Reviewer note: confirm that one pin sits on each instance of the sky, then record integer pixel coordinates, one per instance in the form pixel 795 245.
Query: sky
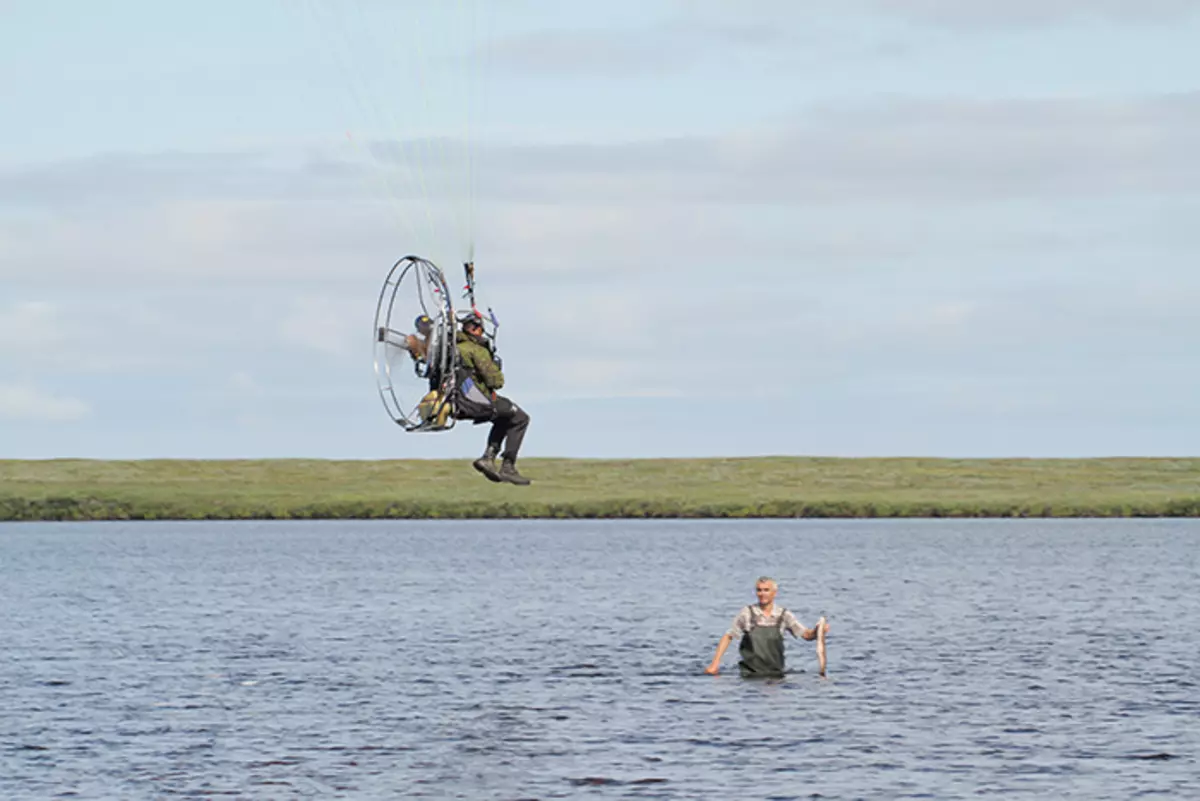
pixel 837 228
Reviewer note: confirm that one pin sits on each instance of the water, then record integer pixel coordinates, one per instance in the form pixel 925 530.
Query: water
pixel 1026 659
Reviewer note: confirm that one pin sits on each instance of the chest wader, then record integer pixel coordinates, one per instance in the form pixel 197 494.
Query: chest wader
pixel 762 649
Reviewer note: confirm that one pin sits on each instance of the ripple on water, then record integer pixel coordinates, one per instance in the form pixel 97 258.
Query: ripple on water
pixel 562 660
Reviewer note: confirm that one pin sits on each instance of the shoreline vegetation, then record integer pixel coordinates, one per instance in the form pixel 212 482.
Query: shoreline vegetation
pixel 762 487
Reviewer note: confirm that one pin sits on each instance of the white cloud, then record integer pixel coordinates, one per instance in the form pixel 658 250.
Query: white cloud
pixel 116 328
pixel 26 402
pixel 604 377
pixel 624 54
pixel 31 329
pixel 621 265
pixel 991 13
pixel 216 240
pixel 981 14
pixel 242 382
pixel 331 326
pixel 899 150
pixel 870 249
pixel 670 43
pixel 896 150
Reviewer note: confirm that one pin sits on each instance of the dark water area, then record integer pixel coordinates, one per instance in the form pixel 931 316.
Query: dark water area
pixel 523 660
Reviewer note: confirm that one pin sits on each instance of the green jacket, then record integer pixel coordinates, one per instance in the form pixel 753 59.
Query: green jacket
pixel 478 361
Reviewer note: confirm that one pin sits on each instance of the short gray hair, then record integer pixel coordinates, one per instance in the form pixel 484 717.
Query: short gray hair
pixel 767 580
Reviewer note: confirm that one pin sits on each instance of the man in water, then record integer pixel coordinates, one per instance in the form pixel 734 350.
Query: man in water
pixel 761 627
pixel 479 402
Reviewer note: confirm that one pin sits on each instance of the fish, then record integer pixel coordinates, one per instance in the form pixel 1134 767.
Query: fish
pixel 821 645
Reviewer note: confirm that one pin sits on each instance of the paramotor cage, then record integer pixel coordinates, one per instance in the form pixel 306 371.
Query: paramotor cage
pixel 414 346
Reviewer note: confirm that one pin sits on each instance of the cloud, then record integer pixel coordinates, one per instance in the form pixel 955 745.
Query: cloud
pixel 141 178
pixel 993 13
pixel 114 329
pixel 31 329
pixel 325 325
pixel 682 39
pixel 219 239
pixel 899 150
pixel 981 14
pixel 243 382
pixel 25 402
pixel 552 53
pixel 868 248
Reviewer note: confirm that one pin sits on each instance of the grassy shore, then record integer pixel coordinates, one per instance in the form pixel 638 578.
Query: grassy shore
pixel 74 489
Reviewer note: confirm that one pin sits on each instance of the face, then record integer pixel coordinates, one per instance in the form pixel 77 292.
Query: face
pixel 765 592
pixel 474 330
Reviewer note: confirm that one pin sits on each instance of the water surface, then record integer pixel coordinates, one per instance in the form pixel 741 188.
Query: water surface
pixel 505 660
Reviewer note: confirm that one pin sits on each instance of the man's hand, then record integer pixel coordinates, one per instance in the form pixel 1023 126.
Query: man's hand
pixel 713 668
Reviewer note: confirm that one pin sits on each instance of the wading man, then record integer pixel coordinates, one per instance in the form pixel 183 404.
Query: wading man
pixel 761 628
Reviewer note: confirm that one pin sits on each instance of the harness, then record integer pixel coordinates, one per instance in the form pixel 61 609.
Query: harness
pixel 761 649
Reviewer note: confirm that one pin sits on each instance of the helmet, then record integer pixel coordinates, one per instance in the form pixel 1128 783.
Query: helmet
pixel 472 319
pixel 423 323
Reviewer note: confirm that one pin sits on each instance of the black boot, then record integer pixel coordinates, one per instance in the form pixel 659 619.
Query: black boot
pixel 508 472
pixel 486 464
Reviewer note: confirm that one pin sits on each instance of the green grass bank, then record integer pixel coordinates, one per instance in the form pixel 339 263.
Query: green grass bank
pixel 77 489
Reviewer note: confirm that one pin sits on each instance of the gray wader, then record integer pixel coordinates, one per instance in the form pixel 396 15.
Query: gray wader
pixel 762 649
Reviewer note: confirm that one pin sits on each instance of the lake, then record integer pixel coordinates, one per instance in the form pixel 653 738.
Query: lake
pixel 546 659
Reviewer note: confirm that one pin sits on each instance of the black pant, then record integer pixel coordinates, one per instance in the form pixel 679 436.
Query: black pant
pixel 508 427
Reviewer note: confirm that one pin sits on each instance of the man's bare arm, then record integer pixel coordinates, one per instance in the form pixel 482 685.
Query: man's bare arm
pixel 715 665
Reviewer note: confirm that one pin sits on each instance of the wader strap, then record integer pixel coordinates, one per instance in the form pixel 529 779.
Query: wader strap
pixel 779 625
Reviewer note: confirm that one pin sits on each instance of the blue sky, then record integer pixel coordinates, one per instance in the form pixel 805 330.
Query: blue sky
pixel 853 228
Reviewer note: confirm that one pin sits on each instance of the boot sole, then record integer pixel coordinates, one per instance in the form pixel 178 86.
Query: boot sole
pixel 491 474
pixel 524 482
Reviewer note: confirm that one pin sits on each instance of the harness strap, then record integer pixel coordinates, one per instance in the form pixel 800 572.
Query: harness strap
pixel 755 624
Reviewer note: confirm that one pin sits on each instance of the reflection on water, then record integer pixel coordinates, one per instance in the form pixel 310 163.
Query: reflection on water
pixel 1052 659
